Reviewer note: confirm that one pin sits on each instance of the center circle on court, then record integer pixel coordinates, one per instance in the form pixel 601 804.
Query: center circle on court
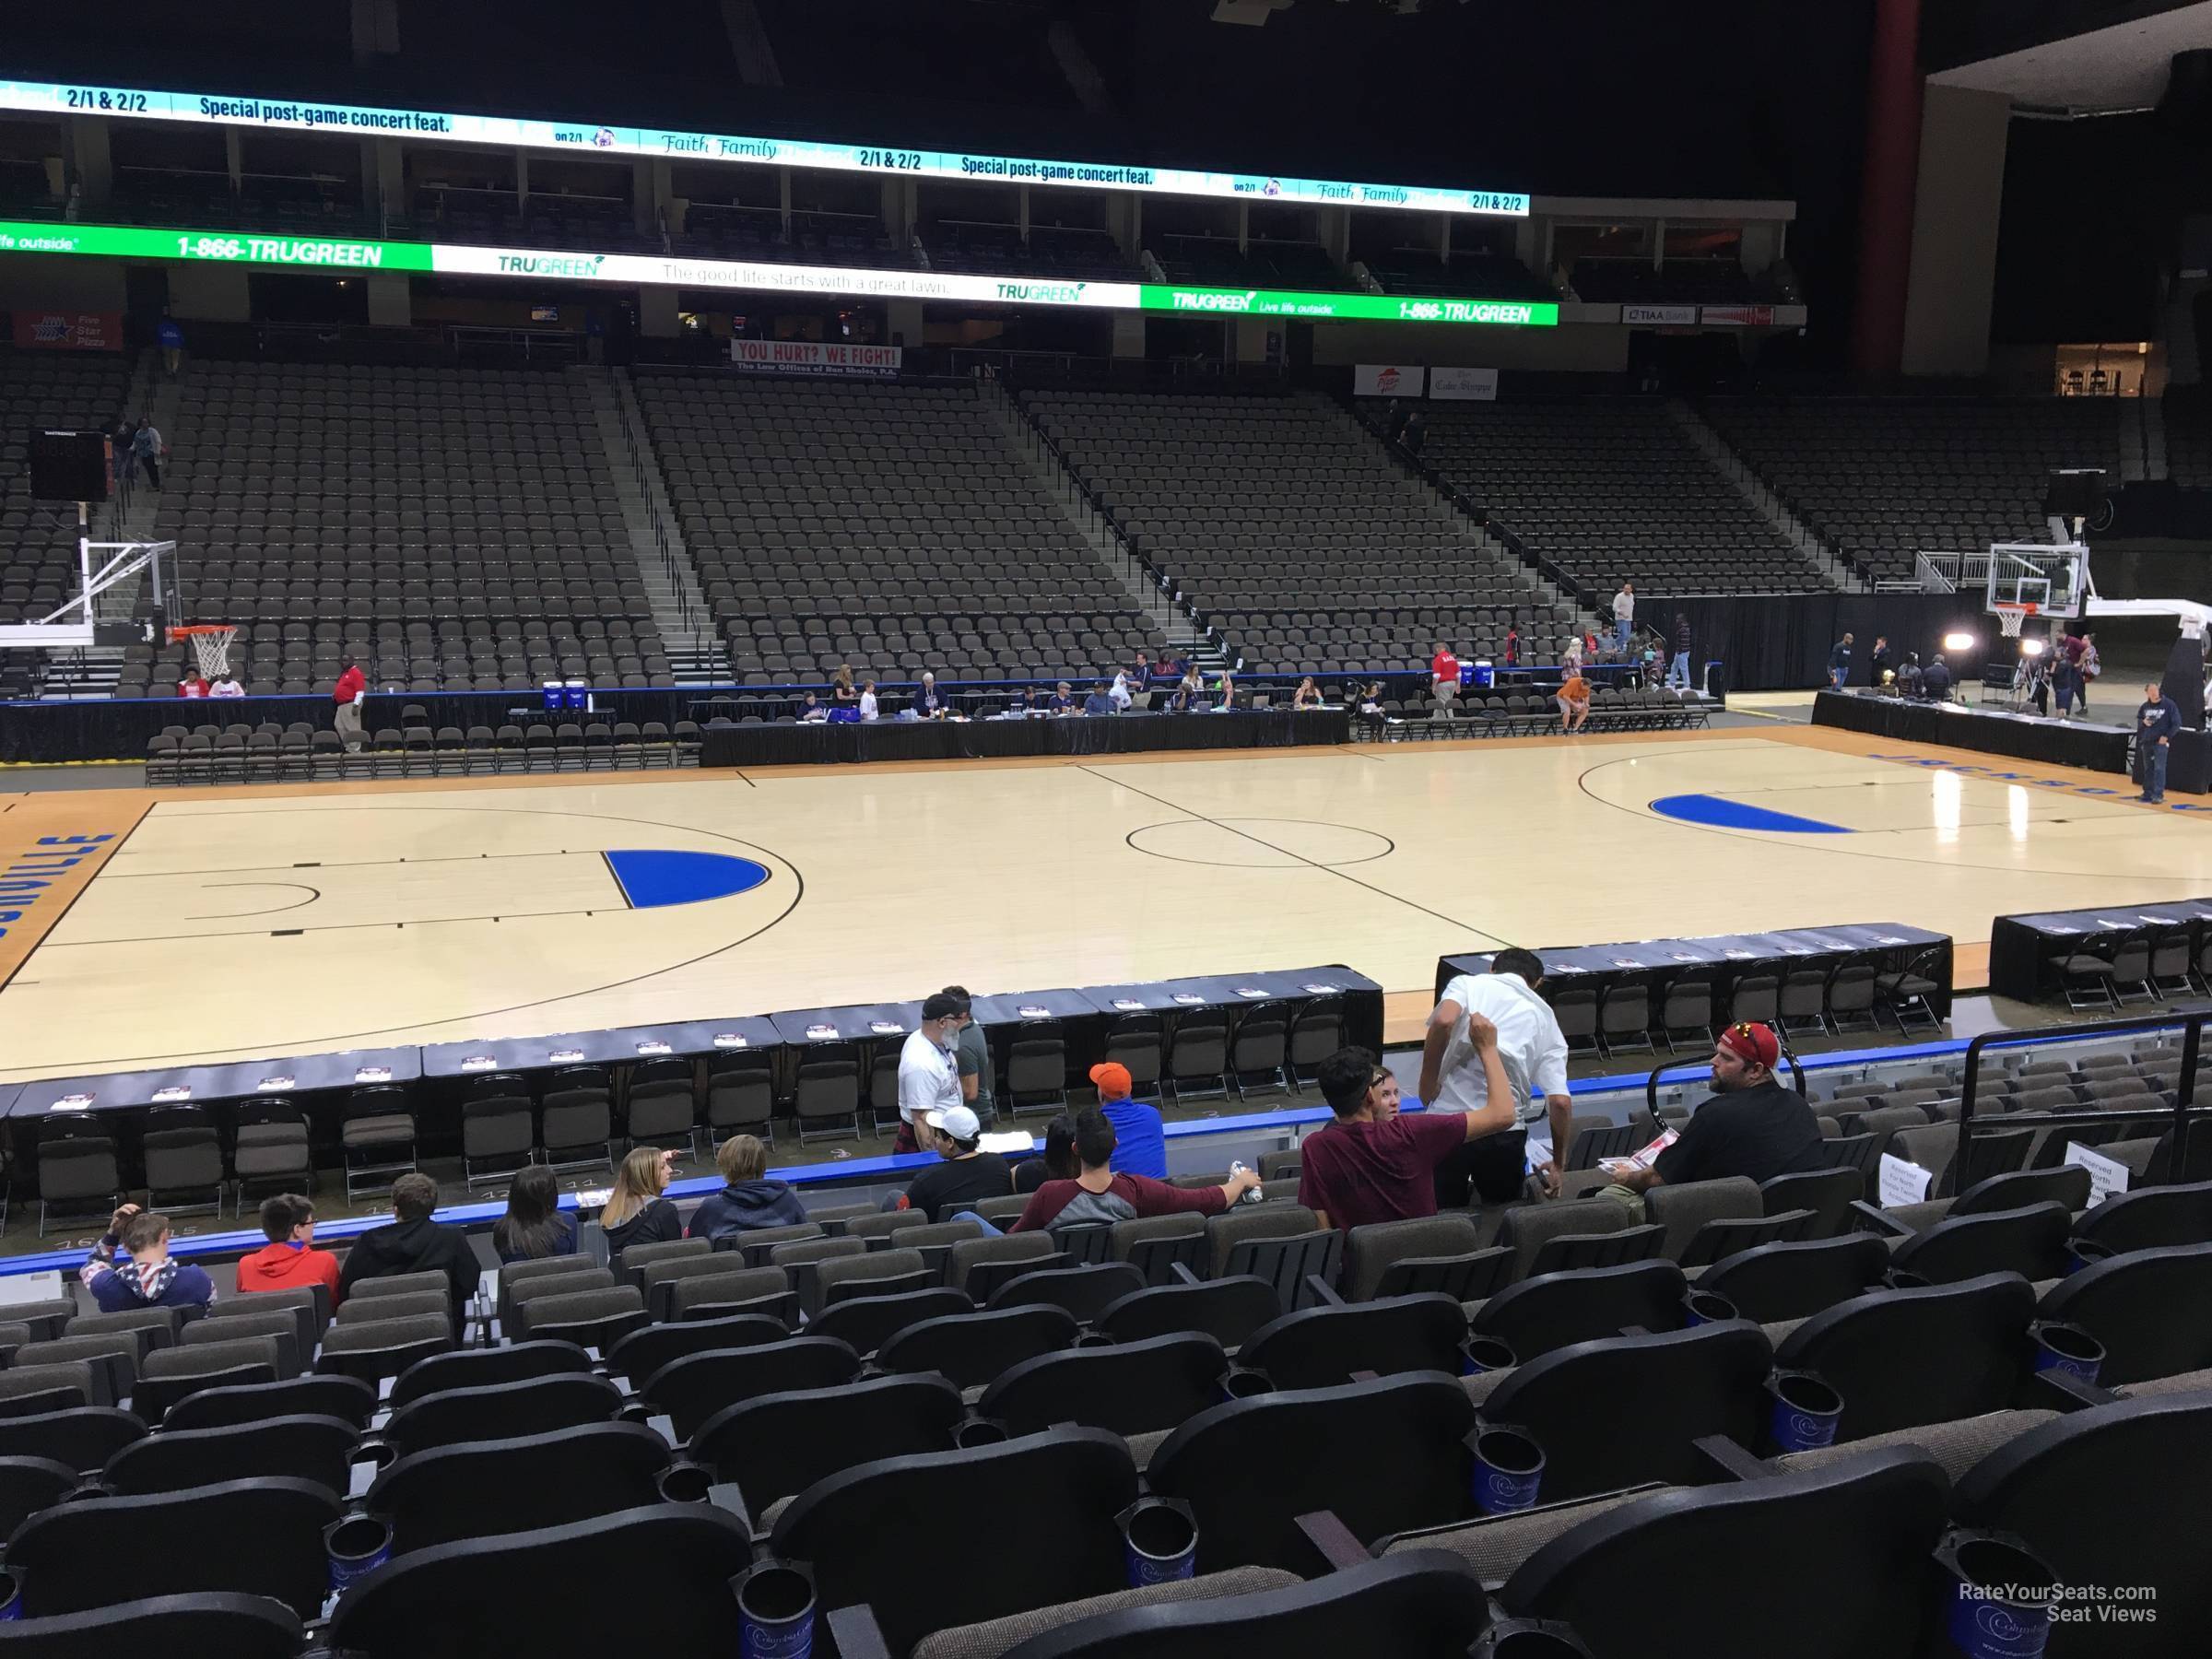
pixel 1260 843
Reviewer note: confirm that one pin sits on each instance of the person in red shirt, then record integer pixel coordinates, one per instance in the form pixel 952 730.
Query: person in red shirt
pixel 290 1259
pixel 1443 678
pixel 351 684
pixel 191 685
pixel 1099 1196
pixel 1371 1164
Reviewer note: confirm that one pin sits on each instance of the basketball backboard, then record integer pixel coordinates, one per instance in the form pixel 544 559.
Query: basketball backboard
pixel 2051 579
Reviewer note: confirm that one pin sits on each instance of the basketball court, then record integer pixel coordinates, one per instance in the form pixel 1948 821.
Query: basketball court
pixel 234 924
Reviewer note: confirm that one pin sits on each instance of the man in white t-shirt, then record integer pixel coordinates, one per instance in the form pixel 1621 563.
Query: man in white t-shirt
pixel 1624 613
pixel 929 1075
pixel 1535 1053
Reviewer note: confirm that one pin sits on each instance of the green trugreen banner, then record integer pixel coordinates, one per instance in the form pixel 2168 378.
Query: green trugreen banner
pixel 1364 308
pixel 230 247
pixel 117 241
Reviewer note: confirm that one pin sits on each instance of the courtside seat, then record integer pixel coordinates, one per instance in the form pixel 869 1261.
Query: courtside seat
pixel 312 1448
pixel 868 1322
pixel 347 1398
pixel 1686 1385
pixel 479 1489
pixel 694 1388
pixel 1849 1540
pixel 1228 1310
pixel 383 1347
pixel 31 1484
pixel 486 1367
pixel 2151 1309
pixel 1776 1282
pixel 777 1445
pixel 84 1437
pixel 1554 1309
pixel 1129 1387
pixel 643 1352
pixel 660 1574
pixel 972 1349
pixel 2030 1241
pixel 1064 1486
pixel 2148 1219
pixel 1230 1463
pixel 1577 1232
pixel 1082 1291
pixel 1435 1253
pixel 261 1536
pixel 535 1405
pixel 1904 1357
pixel 1420 1608
pixel 1317 1346
pixel 207 1625
pixel 2075 1490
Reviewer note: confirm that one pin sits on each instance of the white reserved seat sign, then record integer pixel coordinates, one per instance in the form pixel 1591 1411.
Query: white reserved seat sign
pixel 2107 1175
pixel 1903 1183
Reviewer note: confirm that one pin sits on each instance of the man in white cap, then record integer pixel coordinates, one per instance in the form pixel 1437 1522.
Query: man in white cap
pixel 967 1174
pixel 929 1077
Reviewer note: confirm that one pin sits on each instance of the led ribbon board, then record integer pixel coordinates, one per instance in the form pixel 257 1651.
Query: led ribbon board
pixel 47 98
pixel 227 247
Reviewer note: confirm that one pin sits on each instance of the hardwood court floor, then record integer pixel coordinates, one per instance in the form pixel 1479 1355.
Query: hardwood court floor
pixel 241 922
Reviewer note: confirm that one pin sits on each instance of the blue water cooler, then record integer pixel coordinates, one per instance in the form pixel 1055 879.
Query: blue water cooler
pixel 1480 674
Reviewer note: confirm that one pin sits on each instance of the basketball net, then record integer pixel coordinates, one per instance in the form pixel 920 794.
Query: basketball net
pixel 210 647
pixel 2011 616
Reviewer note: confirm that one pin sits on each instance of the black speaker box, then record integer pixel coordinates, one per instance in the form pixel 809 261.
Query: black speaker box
pixel 68 465
pixel 2075 493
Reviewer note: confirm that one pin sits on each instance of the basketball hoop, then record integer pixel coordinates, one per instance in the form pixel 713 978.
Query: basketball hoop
pixel 2011 616
pixel 210 646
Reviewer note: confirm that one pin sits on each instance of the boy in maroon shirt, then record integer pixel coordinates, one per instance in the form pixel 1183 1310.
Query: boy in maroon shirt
pixel 1098 1195
pixel 1373 1165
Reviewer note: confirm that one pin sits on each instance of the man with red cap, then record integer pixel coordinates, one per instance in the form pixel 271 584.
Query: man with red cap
pixel 1140 1139
pixel 1752 1126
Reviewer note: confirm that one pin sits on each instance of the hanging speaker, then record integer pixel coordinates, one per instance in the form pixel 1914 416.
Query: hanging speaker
pixel 2185 113
pixel 2074 493
pixel 68 465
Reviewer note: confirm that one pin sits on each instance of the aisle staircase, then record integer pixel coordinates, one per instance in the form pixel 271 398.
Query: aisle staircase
pixel 664 571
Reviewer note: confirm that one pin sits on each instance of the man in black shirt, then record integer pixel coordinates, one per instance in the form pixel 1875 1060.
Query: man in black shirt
pixel 2156 722
pixel 967 1175
pixel 1752 1126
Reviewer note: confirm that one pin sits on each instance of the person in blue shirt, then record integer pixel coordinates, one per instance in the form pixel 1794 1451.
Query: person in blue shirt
pixel 533 1225
pixel 2156 722
pixel 1063 699
pixel 1099 701
pixel 145 1276
pixel 1140 1140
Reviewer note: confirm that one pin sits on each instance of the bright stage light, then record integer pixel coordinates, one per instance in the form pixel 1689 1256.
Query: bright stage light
pixel 1957 642
pixel 2034 648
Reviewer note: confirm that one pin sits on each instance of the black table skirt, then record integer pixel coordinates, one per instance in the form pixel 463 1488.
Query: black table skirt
pixel 956 740
pixel 2095 749
pixel 2021 947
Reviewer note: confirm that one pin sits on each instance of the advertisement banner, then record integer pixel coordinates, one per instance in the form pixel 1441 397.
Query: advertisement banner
pixel 767 276
pixel 295 115
pixel 1738 316
pixel 1659 316
pixel 813 357
pixel 69 331
pixel 1387 380
pixel 1464 385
